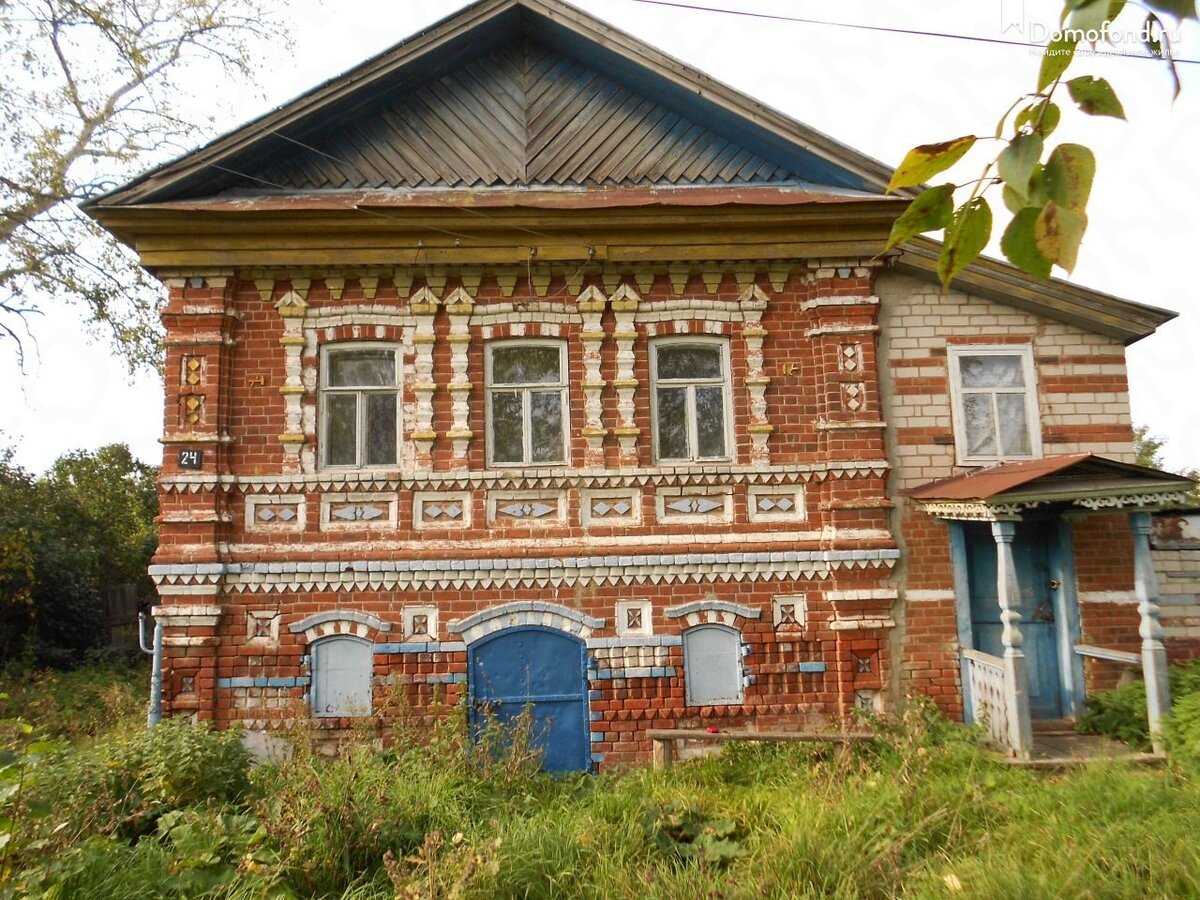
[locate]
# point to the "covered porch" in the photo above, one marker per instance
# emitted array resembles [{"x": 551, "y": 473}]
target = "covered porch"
[{"x": 1018, "y": 611}]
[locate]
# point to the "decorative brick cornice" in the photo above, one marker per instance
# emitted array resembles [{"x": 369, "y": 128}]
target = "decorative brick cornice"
[
  {"x": 491, "y": 479},
  {"x": 522, "y": 572}
]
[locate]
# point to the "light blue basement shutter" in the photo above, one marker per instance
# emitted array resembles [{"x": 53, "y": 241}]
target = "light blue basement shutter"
[
  {"x": 712, "y": 665},
  {"x": 341, "y": 670}
]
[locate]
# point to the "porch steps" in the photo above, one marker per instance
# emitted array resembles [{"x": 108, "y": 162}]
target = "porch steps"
[{"x": 1058, "y": 746}]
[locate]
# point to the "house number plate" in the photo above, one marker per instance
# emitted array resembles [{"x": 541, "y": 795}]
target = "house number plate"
[{"x": 191, "y": 459}]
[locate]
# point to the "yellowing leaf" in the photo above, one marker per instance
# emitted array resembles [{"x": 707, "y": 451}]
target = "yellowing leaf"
[
  {"x": 922, "y": 163},
  {"x": 1095, "y": 97},
  {"x": 965, "y": 239},
  {"x": 1058, "y": 232},
  {"x": 1067, "y": 176},
  {"x": 1019, "y": 244},
  {"x": 932, "y": 209}
]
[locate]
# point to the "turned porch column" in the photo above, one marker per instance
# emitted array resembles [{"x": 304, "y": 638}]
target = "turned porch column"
[
  {"x": 1016, "y": 672},
  {"x": 1154, "y": 655}
]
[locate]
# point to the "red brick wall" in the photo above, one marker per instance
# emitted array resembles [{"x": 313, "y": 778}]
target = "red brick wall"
[{"x": 808, "y": 405}]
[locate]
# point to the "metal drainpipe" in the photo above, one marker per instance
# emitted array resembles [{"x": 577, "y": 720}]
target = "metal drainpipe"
[{"x": 154, "y": 713}]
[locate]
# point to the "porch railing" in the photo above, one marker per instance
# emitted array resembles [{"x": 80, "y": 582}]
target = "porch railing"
[{"x": 989, "y": 704}]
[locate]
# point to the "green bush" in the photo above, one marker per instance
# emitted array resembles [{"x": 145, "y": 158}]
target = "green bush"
[
  {"x": 1183, "y": 731},
  {"x": 123, "y": 783},
  {"x": 1121, "y": 712}
]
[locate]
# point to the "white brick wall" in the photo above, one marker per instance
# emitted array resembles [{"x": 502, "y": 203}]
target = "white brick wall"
[{"x": 915, "y": 321}]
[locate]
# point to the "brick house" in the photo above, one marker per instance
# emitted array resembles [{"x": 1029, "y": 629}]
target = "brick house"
[{"x": 525, "y": 364}]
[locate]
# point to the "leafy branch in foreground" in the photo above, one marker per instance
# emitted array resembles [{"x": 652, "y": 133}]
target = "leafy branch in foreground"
[
  {"x": 1045, "y": 190},
  {"x": 91, "y": 92}
]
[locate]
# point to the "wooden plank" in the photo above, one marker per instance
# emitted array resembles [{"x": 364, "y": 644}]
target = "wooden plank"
[
  {"x": 571, "y": 108},
  {"x": 582, "y": 164},
  {"x": 402, "y": 250},
  {"x": 501, "y": 106},
  {"x": 570, "y": 129},
  {"x": 709, "y": 162},
  {"x": 418, "y": 133},
  {"x": 496, "y": 129},
  {"x": 629, "y": 169},
  {"x": 408, "y": 146},
  {"x": 446, "y": 123},
  {"x": 1121, "y": 656},
  {"x": 720, "y": 737},
  {"x": 702, "y": 147},
  {"x": 681, "y": 143},
  {"x": 386, "y": 156},
  {"x": 479, "y": 134},
  {"x": 632, "y": 145}
]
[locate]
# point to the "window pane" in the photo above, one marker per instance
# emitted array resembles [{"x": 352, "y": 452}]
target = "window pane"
[
  {"x": 506, "y": 427},
  {"x": 381, "y": 429},
  {"x": 1014, "y": 430},
  {"x": 991, "y": 371},
  {"x": 672, "y": 423},
  {"x": 711, "y": 668},
  {"x": 341, "y": 428},
  {"x": 689, "y": 361},
  {"x": 362, "y": 368},
  {"x": 710, "y": 422},
  {"x": 532, "y": 364},
  {"x": 981, "y": 428},
  {"x": 545, "y": 426}
]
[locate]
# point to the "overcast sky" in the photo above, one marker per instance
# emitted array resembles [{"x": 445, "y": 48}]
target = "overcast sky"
[{"x": 877, "y": 91}]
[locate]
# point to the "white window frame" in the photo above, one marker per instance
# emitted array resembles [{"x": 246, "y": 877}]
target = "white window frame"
[
  {"x": 564, "y": 382},
  {"x": 326, "y": 390},
  {"x": 688, "y": 667},
  {"x": 954, "y": 354},
  {"x": 725, "y": 382}
]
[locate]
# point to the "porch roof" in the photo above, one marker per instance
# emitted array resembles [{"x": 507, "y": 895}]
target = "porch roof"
[{"x": 1082, "y": 480}]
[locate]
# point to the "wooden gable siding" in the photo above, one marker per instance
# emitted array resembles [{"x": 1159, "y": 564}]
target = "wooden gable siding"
[{"x": 522, "y": 114}]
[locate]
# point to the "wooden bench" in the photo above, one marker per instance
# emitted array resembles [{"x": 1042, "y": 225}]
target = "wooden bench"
[{"x": 665, "y": 740}]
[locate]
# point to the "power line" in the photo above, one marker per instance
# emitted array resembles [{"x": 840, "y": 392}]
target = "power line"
[{"x": 913, "y": 32}]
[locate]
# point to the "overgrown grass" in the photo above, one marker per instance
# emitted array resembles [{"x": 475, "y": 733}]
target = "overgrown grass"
[
  {"x": 920, "y": 812},
  {"x": 79, "y": 704}
]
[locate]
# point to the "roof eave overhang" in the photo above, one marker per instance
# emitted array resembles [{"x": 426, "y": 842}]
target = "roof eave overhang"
[
  {"x": 686, "y": 226},
  {"x": 1051, "y": 297},
  {"x": 1014, "y": 506}
]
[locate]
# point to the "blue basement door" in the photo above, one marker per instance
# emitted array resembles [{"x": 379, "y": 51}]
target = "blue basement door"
[
  {"x": 1031, "y": 551},
  {"x": 545, "y": 671}
]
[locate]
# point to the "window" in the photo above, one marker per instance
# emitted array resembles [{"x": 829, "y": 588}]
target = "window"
[
  {"x": 359, "y": 402},
  {"x": 995, "y": 404},
  {"x": 341, "y": 677},
  {"x": 712, "y": 663},
  {"x": 526, "y": 402},
  {"x": 690, "y": 400}
]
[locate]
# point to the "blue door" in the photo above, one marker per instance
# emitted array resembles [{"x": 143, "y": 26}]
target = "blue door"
[
  {"x": 1031, "y": 554},
  {"x": 544, "y": 671}
]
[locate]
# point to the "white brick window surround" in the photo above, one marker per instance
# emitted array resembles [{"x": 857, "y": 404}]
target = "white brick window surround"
[
  {"x": 360, "y": 401},
  {"x": 994, "y": 393},
  {"x": 526, "y": 402},
  {"x": 690, "y": 399}
]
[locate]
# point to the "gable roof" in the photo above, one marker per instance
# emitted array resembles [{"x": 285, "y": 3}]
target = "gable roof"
[
  {"x": 1072, "y": 477},
  {"x": 533, "y": 104},
  {"x": 512, "y": 93}
]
